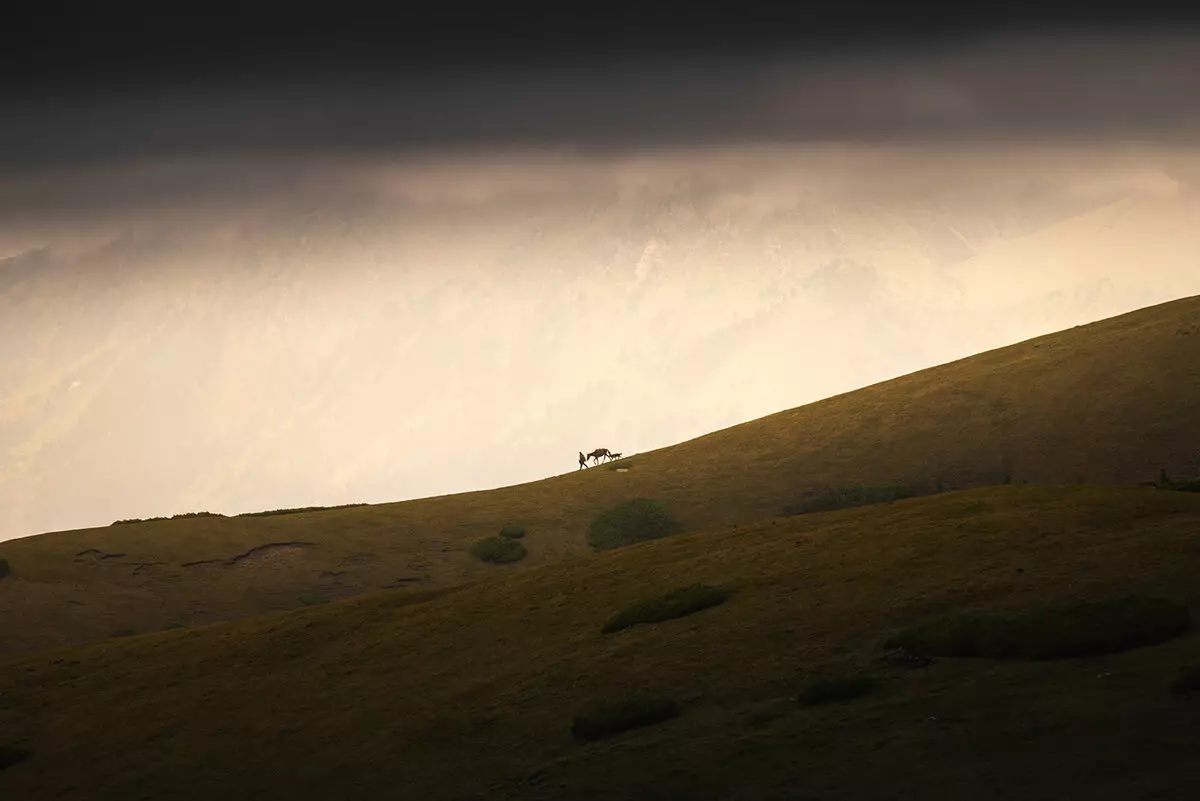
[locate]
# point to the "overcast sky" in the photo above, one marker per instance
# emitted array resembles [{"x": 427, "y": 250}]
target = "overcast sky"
[{"x": 249, "y": 266}]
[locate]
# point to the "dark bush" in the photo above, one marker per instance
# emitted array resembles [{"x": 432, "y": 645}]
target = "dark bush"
[
  {"x": 314, "y": 596},
  {"x": 1090, "y": 628},
  {"x": 829, "y": 691},
  {"x": 633, "y": 521},
  {"x": 512, "y": 532},
  {"x": 676, "y": 603},
  {"x": 606, "y": 719},
  {"x": 11, "y": 755},
  {"x": 828, "y": 500},
  {"x": 124, "y": 633},
  {"x": 180, "y": 516},
  {"x": 498, "y": 550},
  {"x": 1188, "y": 681},
  {"x": 4, "y": 568}
]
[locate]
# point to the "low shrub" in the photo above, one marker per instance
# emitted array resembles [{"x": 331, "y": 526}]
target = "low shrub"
[
  {"x": 830, "y": 691},
  {"x": 1090, "y": 628},
  {"x": 4, "y": 568},
  {"x": 180, "y": 516},
  {"x": 1188, "y": 681},
  {"x": 830, "y": 499},
  {"x": 314, "y": 597},
  {"x": 676, "y": 603},
  {"x": 299, "y": 509},
  {"x": 12, "y": 755},
  {"x": 512, "y": 532},
  {"x": 607, "y": 719},
  {"x": 123, "y": 633},
  {"x": 631, "y": 522},
  {"x": 498, "y": 550}
]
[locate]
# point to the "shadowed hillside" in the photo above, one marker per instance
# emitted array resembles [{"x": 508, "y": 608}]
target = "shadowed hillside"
[
  {"x": 1110, "y": 402},
  {"x": 473, "y": 693}
]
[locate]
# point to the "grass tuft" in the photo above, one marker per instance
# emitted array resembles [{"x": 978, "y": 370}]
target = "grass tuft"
[
  {"x": 830, "y": 691},
  {"x": 498, "y": 550},
  {"x": 608, "y": 719},
  {"x": 1188, "y": 680},
  {"x": 676, "y": 603},
  {"x": 1090, "y": 628},
  {"x": 11, "y": 755},
  {"x": 631, "y": 522},
  {"x": 512, "y": 532}
]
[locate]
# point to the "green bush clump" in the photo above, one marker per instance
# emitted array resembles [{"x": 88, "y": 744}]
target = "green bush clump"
[
  {"x": 633, "y": 521},
  {"x": 498, "y": 550},
  {"x": 676, "y": 603},
  {"x": 314, "y": 596},
  {"x": 828, "y": 500},
  {"x": 4, "y": 568},
  {"x": 512, "y": 532},
  {"x": 829, "y": 691},
  {"x": 606, "y": 719},
  {"x": 11, "y": 755},
  {"x": 1089, "y": 628},
  {"x": 1188, "y": 681}
]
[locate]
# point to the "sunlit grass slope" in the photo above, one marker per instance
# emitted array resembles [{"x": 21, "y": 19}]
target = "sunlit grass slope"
[
  {"x": 1110, "y": 402},
  {"x": 472, "y": 693}
]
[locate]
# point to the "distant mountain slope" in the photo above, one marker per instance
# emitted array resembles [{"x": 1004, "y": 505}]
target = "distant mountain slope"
[
  {"x": 1110, "y": 402},
  {"x": 472, "y": 694}
]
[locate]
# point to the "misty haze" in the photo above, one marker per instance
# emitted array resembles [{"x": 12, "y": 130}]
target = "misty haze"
[{"x": 379, "y": 330}]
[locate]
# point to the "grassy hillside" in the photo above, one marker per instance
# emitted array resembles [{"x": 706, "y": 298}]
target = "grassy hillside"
[
  {"x": 1110, "y": 402},
  {"x": 472, "y": 693}
]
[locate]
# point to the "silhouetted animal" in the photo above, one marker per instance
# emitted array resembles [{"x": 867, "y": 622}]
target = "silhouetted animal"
[
  {"x": 582, "y": 460},
  {"x": 596, "y": 454},
  {"x": 614, "y": 456}
]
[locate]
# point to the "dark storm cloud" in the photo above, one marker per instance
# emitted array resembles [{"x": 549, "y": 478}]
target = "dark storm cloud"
[{"x": 1088, "y": 86}]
